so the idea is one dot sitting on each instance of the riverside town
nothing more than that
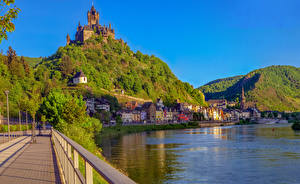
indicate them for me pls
(86, 98)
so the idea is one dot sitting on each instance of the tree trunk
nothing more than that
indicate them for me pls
(33, 130)
(20, 121)
(26, 122)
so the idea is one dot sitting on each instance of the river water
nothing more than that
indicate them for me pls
(238, 154)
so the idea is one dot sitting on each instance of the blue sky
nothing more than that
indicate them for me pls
(200, 40)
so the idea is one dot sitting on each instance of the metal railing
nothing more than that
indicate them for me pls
(68, 152)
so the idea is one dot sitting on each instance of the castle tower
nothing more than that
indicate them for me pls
(243, 99)
(68, 39)
(79, 26)
(93, 17)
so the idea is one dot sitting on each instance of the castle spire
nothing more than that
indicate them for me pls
(68, 39)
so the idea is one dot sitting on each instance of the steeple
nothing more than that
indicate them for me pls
(243, 99)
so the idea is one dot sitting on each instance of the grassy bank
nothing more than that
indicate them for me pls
(118, 130)
(13, 128)
(245, 122)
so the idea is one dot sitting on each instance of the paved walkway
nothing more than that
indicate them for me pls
(22, 162)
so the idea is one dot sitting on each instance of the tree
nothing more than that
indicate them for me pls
(34, 105)
(8, 14)
(25, 65)
(66, 66)
(11, 55)
(53, 107)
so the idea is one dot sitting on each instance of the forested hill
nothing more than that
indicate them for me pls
(113, 66)
(270, 88)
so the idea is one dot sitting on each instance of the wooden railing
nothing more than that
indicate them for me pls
(68, 152)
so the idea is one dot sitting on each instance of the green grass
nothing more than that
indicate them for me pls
(117, 130)
(13, 128)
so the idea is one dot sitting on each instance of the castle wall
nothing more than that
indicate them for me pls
(87, 34)
(87, 31)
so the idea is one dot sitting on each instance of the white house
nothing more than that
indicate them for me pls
(80, 78)
(127, 117)
(90, 105)
(105, 107)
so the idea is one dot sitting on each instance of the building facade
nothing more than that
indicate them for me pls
(79, 78)
(92, 29)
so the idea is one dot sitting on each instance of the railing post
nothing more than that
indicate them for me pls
(76, 164)
(70, 172)
(88, 173)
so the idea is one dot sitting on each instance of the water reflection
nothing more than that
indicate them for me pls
(238, 154)
(145, 162)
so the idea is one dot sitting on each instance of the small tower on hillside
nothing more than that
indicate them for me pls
(79, 78)
(243, 99)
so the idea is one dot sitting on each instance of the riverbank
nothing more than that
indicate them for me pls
(121, 130)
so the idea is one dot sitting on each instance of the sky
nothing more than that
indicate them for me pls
(201, 40)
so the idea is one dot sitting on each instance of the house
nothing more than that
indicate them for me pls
(102, 104)
(254, 113)
(182, 117)
(245, 114)
(204, 111)
(131, 105)
(136, 116)
(150, 108)
(220, 103)
(126, 116)
(79, 78)
(196, 108)
(168, 115)
(160, 103)
(143, 115)
(159, 115)
(90, 105)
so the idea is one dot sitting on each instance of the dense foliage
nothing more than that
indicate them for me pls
(8, 13)
(30, 90)
(273, 88)
(67, 114)
(112, 66)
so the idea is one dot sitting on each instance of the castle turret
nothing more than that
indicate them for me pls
(79, 26)
(68, 39)
(93, 17)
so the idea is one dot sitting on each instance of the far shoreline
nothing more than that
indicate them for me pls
(123, 130)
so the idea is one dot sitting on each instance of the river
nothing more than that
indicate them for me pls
(238, 154)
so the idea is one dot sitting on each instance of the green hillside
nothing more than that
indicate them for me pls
(270, 88)
(33, 61)
(109, 66)
(112, 66)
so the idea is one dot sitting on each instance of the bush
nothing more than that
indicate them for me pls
(296, 125)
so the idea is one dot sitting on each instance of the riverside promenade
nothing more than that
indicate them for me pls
(22, 162)
(54, 158)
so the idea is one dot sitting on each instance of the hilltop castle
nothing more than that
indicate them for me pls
(93, 28)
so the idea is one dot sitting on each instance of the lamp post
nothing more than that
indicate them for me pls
(7, 109)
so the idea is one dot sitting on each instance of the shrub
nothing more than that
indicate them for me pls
(296, 125)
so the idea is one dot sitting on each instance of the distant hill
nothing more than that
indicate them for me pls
(113, 66)
(270, 88)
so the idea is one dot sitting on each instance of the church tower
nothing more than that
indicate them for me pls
(93, 17)
(243, 99)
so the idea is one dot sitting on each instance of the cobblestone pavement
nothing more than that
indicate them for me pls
(32, 163)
